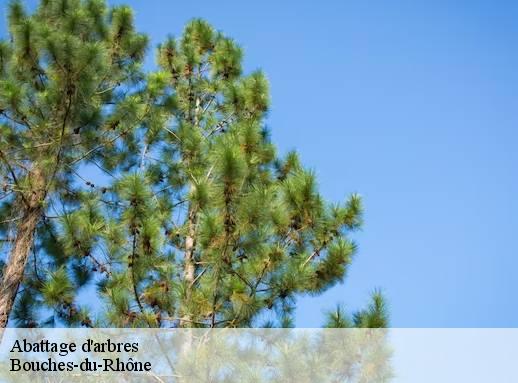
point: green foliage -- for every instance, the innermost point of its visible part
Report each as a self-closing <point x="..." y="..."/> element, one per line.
<point x="338" y="318"/>
<point x="70" y="98"/>
<point x="374" y="316"/>
<point x="58" y="288"/>
<point x="200" y="223"/>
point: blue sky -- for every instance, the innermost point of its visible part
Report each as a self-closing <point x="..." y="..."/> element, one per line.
<point x="414" y="105"/>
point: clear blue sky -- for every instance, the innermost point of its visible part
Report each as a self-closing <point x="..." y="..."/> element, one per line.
<point x="413" y="104"/>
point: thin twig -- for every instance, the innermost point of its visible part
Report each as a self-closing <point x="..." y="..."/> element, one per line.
<point x="198" y="276"/>
<point x="10" y="220"/>
<point x="13" y="175"/>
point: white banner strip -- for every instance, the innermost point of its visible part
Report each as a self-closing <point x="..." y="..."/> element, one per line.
<point x="259" y="355"/>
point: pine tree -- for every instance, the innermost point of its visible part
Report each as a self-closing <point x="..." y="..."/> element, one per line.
<point x="70" y="93"/>
<point x="223" y="232"/>
<point x="198" y="222"/>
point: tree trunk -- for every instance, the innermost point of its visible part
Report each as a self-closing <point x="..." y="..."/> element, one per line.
<point x="22" y="245"/>
<point x="190" y="240"/>
<point x="189" y="267"/>
<point x="189" y="251"/>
